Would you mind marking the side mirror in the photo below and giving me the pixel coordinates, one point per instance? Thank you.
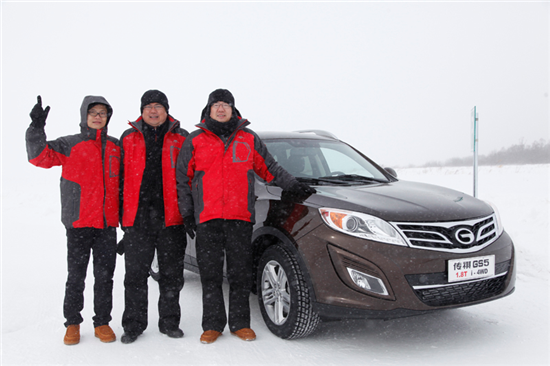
(391, 171)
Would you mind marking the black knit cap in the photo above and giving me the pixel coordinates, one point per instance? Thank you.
(220, 95)
(154, 96)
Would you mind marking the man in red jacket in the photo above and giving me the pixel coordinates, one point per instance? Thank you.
(90, 164)
(150, 216)
(215, 176)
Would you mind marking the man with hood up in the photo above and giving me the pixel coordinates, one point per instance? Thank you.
(90, 164)
(150, 216)
(215, 175)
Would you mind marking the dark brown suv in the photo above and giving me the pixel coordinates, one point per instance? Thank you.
(367, 245)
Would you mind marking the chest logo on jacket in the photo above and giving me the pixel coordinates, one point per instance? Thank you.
(241, 152)
(174, 152)
(114, 166)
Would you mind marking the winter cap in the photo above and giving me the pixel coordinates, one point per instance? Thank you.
(154, 96)
(219, 95)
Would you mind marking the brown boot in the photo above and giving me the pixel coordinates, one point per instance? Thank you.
(105, 334)
(72, 335)
(210, 336)
(246, 334)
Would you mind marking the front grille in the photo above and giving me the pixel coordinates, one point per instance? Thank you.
(461, 293)
(434, 289)
(454, 236)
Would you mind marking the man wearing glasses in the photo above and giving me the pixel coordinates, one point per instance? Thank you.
(150, 216)
(215, 178)
(90, 164)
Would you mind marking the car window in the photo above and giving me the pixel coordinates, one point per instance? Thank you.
(304, 158)
(340, 162)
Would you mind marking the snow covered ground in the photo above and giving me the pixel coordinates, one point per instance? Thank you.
(510, 331)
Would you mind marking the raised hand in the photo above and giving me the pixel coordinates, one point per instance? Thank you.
(39, 115)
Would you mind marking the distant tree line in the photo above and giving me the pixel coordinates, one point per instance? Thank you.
(536, 153)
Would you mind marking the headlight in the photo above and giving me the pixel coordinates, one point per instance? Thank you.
(361, 225)
(499, 228)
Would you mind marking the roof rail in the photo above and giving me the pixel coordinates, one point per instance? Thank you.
(320, 133)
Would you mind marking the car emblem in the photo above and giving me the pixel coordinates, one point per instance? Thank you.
(464, 236)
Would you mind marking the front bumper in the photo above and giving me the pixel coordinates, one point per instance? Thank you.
(415, 279)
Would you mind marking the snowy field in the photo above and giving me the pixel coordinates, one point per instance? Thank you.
(510, 331)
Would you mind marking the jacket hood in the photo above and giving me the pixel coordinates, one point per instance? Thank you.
(93, 99)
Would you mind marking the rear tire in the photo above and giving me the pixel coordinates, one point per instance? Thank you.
(283, 295)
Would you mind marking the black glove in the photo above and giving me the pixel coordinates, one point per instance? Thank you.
(39, 115)
(302, 189)
(190, 226)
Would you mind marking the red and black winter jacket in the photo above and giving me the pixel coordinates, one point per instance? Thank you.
(132, 142)
(216, 179)
(90, 164)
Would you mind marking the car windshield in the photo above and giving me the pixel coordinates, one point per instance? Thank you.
(323, 162)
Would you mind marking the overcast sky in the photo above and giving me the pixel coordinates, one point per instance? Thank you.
(396, 80)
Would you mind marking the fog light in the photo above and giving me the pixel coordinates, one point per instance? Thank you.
(367, 282)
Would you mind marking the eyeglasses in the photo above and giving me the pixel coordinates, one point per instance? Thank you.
(158, 107)
(102, 114)
(223, 105)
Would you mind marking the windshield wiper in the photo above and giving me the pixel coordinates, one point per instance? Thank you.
(321, 180)
(353, 178)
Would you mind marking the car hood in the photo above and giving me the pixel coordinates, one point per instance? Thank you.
(403, 201)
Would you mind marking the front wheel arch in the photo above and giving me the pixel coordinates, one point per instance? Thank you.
(266, 237)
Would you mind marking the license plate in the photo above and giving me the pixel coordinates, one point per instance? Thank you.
(471, 268)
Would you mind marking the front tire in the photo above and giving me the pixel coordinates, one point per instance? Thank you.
(283, 295)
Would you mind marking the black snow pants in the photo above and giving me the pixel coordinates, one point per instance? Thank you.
(233, 237)
(139, 250)
(102, 243)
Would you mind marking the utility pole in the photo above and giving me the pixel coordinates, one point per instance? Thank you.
(475, 139)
